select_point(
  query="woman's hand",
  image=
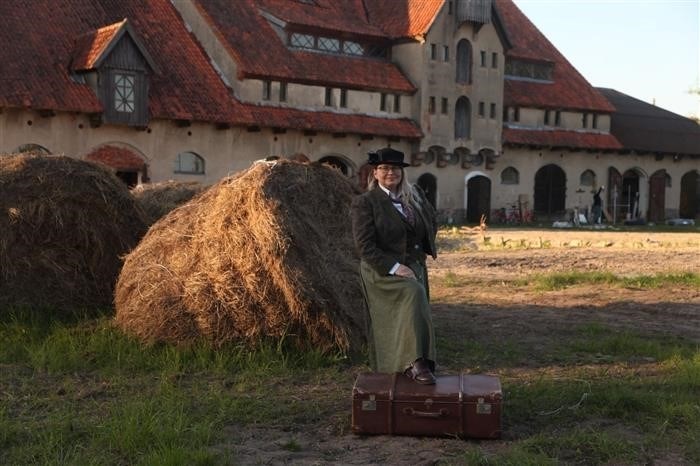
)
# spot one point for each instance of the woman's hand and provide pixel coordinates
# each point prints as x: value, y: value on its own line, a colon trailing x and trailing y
x: 405, y: 271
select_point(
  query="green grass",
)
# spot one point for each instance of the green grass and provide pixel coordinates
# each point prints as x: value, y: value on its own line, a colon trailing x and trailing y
x: 75, y: 390
x: 558, y: 281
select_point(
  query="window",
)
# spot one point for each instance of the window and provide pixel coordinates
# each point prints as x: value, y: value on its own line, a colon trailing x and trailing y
x: 304, y: 41
x: 382, y: 102
x: 443, y: 108
x: 344, y: 98
x: 397, y: 103
x: 494, y: 60
x: 584, y: 120
x: 546, y: 117
x: 483, y: 58
x: 557, y: 118
x: 124, y: 96
x: 594, y: 125
x: 587, y: 178
x: 516, y: 114
x: 530, y: 70
x: 445, y: 53
x: 492, y: 111
x: 449, y: 7
x: 283, y: 92
x: 464, y: 61
x: 328, y: 99
x: 352, y: 48
x: 462, y: 118
x: 482, y: 109
x: 505, y: 114
x: 328, y: 44
x: 431, y: 105
x: 189, y: 162
x: 433, y: 51
x: 267, y: 90
x: 510, y: 175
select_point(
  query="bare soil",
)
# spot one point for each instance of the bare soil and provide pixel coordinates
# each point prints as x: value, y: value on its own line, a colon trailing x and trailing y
x: 488, y: 305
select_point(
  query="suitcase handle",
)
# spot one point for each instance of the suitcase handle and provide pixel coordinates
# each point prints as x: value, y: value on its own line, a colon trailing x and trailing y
x: 412, y: 412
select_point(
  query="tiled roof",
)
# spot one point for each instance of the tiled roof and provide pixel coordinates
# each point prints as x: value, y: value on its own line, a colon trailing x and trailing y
x: 117, y: 158
x: 568, y: 89
x: 35, y: 71
x: 91, y: 46
x: 559, y: 139
x: 288, y: 118
x: 346, y: 16
x: 409, y: 18
x: 249, y: 37
x: 643, y: 127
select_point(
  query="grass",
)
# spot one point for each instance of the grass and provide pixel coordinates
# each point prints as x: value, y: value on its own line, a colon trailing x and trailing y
x: 75, y: 390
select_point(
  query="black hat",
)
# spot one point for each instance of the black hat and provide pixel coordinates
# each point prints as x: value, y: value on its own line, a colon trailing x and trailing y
x: 387, y: 156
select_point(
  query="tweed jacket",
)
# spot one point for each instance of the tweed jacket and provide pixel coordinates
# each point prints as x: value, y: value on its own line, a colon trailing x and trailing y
x: 380, y: 231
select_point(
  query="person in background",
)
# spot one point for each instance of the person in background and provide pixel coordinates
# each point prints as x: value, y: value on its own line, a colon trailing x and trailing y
x: 394, y: 228
x: 597, y: 209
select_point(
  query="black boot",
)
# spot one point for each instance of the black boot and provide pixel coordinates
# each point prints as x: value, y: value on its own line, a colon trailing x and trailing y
x: 420, y: 372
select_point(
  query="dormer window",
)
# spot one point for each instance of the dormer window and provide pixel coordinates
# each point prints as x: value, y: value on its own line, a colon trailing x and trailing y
x: 124, y: 95
x: 113, y: 61
x: 352, y: 48
x: 303, y: 41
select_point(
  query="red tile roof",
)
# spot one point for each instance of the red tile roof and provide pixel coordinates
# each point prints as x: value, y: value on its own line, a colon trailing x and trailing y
x: 35, y: 71
x: 559, y: 139
x: 330, y: 122
x: 248, y: 36
x: 346, y: 16
x: 408, y: 18
x: 569, y: 90
x: 91, y: 46
x: 116, y: 157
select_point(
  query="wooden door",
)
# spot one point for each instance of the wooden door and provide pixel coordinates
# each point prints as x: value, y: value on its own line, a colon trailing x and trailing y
x: 657, y: 197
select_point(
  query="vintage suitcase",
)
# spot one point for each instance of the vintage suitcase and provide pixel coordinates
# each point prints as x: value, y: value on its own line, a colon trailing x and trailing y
x: 465, y: 405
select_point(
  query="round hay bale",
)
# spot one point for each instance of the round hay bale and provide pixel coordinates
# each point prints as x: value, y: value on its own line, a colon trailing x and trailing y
x: 266, y: 253
x: 158, y: 199
x: 65, y: 225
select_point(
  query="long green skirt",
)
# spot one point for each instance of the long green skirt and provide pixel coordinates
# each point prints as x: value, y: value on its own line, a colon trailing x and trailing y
x: 401, y: 325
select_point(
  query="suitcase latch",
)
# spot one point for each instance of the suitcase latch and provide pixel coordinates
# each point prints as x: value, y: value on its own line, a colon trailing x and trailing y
x: 483, y: 408
x: 369, y: 405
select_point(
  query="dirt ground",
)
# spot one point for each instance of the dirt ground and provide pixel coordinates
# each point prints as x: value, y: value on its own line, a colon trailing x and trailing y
x: 486, y: 306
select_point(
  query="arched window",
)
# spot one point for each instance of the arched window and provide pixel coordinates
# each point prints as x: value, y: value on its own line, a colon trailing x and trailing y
x: 189, y: 162
x: 462, y: 118
x: 587, y: 178
x: 464, y: 61
x: 510, y: 175
x: 32, y: 149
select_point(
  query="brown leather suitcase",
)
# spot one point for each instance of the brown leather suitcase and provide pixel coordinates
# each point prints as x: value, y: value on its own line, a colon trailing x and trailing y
x: 465, y: 405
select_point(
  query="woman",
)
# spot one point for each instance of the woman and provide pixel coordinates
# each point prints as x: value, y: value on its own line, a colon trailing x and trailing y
x: 394, y: 228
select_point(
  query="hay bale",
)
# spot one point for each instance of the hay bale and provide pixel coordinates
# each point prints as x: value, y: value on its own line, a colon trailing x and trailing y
x: 158, y: 199
x: 65, y: 224
x: 266, y: 253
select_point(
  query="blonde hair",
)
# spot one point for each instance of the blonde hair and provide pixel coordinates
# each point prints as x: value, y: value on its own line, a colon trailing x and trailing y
x: 405, y: 189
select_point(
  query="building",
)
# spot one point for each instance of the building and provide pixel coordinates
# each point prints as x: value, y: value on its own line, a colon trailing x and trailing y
x: 490, y: 112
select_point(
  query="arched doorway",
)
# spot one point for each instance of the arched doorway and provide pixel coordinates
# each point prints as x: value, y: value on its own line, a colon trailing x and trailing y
x: 550, y: 191
x: 126, y: 162
x: 478, y: 191
x: 428, y: 183
x: 629, y: 196
x: 690, y: 195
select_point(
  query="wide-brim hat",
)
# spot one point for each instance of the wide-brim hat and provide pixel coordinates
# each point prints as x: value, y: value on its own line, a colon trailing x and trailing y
x: 387, y: 156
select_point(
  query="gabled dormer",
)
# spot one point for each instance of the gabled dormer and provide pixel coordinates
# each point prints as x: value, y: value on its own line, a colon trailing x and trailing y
x: 113, y: 61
